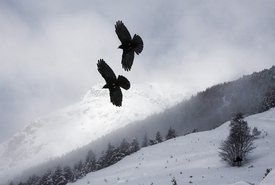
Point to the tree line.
(62, 175)
(233, 150)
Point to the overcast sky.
(49, 49)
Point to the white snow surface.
(79, 124)
(193, 159)
(270, 178)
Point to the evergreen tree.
(90, 164)
(171, 134)
(102, 163)
(145, 141)
(68, 174)
(58, 176)
(117, 155)
(33, 180)
(110, 156)
(79, 171)
(134, 147)
(124, 147)
(158, 137)
(239, 142)
(152, 142)
(46, 179)
(268, 101)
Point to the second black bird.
(128, 45)
(112, 82)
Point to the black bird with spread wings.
(128, 45)
(112, 82)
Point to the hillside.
(94, 122)
(210, 108)
(77, 125)
(193, 159)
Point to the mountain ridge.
(206, 110)
(194, 159)
(74, 126)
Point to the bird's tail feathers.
(123, 82)
(139, 44)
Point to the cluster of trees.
(250, 94)
(63, 175)
(234, 150)
(268, 101)
(158, 138)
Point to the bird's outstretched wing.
(138, 43)
(123, 82)
(127, 59)
(106, 72)
(116, 96)
(122, 32)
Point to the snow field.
(193, 159)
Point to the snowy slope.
(269, 179)
(79, 124)
(193, 159)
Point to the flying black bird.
(112, 82)
(128, 45)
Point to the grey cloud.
(49, 49)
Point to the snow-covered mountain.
(193, 159)
(81, 123)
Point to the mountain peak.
(94, 116)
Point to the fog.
(49, 49)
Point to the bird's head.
(106, 86)
(120, 47)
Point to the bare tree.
(239, 142)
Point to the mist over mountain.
(210, 108)
(77, 125)
(204, 111)
(190, 159)
(207, 110)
